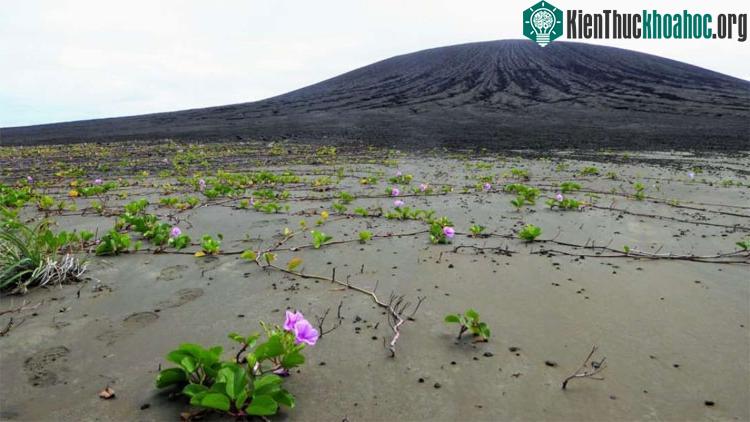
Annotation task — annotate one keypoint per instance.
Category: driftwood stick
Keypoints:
(584, 372)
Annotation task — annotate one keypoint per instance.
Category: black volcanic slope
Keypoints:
(494, 94)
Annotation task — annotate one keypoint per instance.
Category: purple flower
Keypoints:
(449, 232)
(282, 372)
(292, 318)
(29, 179)
(559, 197)
(423, 187)
(398, 173)
(305, 333)
(691, 175)
(97, 181)
(395, 192)
(398, 203)
(175, 231)
(486, 187)
(201, 185)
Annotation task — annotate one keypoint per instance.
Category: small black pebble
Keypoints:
(453, 362)
(322, 364)
(475, 358)
(676, 365)
(488, 354)
(709, 403)
(145, 406)
(241, 316)
(421, 380)
(450, 265)
(550, 363)
(514, 349)
(437, 385)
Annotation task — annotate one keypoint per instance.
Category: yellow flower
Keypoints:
(324, 215)
(74, 183)
(73, 193)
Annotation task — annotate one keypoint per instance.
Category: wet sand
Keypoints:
(675, 332)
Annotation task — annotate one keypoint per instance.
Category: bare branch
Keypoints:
(584, 372)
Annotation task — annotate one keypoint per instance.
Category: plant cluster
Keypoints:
(639, 193)
(408, 213)
(524, 194)
(564, 203)
(529, 232)
(441, 231)
(566, 187)
(248, 384)
(590, 171)
(319, 238)
(470, 322)
(31, 256)
(209, 245)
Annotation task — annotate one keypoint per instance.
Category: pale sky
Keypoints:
(70, 60)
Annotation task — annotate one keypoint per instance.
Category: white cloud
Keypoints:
(65, 60)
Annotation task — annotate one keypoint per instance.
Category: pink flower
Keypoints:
(449, 232)
(175, 231)
(395, 192)
(97, 181)
(423, 187)
(398, 173)
(559, 197)
(486, 187)
(292, 318)
(29, 179)
(398, 203)
(201, 185)
(305, 333)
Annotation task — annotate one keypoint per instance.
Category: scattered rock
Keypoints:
(107, 393)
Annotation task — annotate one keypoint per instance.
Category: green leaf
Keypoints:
(214, 401)
(169, 377)
(485, 332)
(452, 318)
(188, 364)
(270, 349)
(214, 354)
(472, 314)
(262, 406)
(267, 384)
(235, 378)
(284, 397)
(241, 399)
(293, 359)
(192, 390)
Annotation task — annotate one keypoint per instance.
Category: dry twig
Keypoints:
(584, 372)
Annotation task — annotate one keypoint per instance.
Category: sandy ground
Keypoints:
(674, 332)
